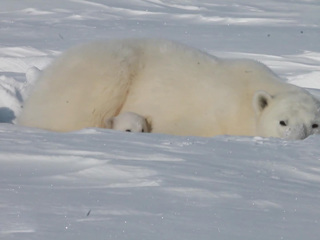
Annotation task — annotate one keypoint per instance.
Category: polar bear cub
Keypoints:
(129, 122)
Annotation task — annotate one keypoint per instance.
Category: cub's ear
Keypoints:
(260, 101)
(149, 123)
(108, 123)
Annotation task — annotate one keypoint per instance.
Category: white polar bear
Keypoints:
(129, 122)
(183, 90)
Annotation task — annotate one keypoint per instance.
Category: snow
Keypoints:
(104, 184)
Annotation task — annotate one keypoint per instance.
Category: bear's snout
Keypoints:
(297, 132)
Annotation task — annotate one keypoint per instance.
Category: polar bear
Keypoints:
(129, 122)
(185, 92)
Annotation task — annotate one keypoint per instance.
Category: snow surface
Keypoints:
(104, 184)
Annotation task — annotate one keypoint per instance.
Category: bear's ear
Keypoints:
(108, 123)
(260, 101)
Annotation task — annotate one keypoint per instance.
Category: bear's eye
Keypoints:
(283, 123)
(315, 125)
(128, 130)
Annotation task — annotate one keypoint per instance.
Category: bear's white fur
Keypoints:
(183, 90)
(129, 122)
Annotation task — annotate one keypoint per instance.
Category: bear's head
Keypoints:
(290, 115)
(129, 122)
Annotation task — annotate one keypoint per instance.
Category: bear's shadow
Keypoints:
(6, 115)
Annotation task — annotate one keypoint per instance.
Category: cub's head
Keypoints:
(129, 122)
(291, 115)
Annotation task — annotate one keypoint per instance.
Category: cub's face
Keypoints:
(293, 115)
(129, 122)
